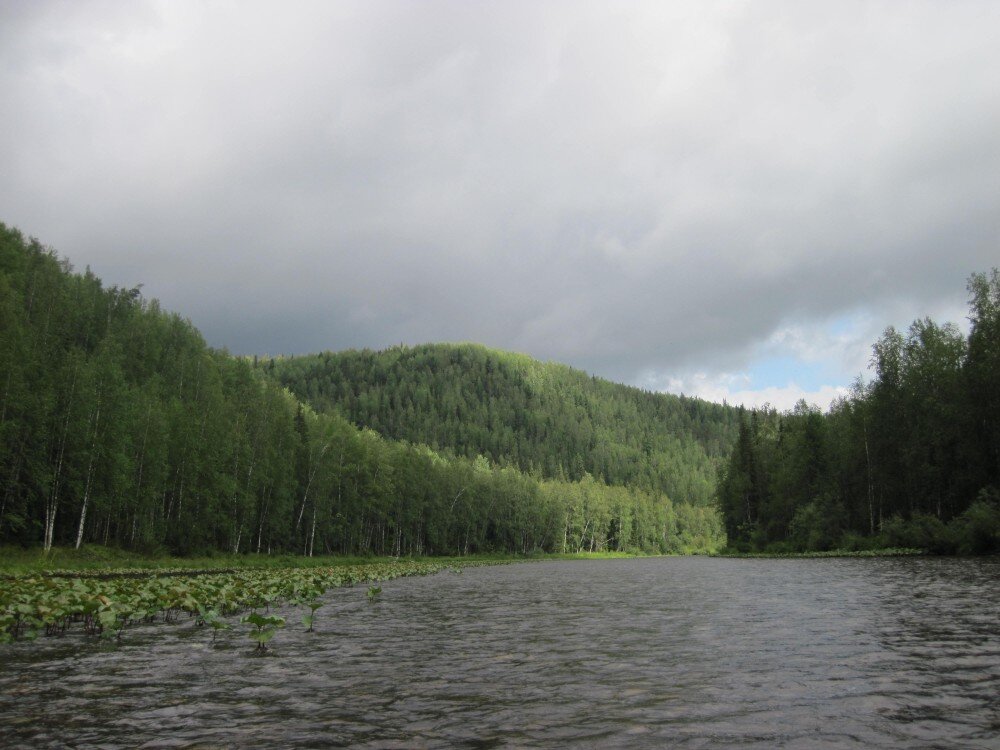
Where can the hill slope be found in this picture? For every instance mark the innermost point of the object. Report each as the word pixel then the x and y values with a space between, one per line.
pixel 543 418
pixel 119 426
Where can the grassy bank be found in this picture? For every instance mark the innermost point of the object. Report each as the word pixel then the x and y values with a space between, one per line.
pixel 883 552
pixel 94 558
pixel 97 559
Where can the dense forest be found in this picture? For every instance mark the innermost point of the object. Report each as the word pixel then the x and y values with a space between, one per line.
pixel 542 418
pixel 119 426
pixel 911 458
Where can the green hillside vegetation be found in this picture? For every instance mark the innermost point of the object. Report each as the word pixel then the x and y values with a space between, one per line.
pixel 911 459
pixel 120 427
pixel 545 419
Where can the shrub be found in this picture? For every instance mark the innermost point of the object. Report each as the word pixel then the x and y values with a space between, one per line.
pixel 815 525
pixel 852 542
pixel 977 530
pixel 783 547
pixel 922 531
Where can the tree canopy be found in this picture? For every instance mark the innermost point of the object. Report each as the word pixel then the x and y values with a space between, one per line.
pixel 118 425
pixel 910 458
pixel 545 419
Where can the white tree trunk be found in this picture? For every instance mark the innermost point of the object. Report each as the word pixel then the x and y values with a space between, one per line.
pixel 52 504
pixel 90 473
pixel 312 534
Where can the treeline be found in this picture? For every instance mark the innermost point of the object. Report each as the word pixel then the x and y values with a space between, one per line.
pixel 544 419
pixel 119 426
pixel 911 458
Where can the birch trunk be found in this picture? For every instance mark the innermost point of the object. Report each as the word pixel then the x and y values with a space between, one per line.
pixel 90 474
pixel 52 504
pixel 142 461
pixel 312 475
pixel 312 534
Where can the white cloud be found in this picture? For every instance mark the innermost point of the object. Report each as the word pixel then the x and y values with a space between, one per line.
pixel 737 389
pixel 624 187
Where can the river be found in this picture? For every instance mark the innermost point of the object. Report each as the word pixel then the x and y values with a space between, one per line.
pixel 647 653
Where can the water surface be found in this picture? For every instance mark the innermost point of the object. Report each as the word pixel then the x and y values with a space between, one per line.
pixel 668 652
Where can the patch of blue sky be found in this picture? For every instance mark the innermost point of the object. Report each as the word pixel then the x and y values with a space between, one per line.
pixel 780 371
pixel 831 352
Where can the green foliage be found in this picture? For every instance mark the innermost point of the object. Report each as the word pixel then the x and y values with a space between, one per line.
pixel 901 461
pixel 106 604
pixel 977 530
pixel 922 531
pixel 309 619
pixel 120 427
pixel 210 616
pixel 542 418
pixel 781 549
pixel 816 526
pixel 264 628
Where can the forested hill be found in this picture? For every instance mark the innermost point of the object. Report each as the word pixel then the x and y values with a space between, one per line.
pixel 119 426
pixel 543 418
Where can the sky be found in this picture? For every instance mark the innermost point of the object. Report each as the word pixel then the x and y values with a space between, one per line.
pixel 729 200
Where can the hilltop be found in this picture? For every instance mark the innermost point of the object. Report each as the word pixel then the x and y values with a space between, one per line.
pixel 119 426
pixel 545 419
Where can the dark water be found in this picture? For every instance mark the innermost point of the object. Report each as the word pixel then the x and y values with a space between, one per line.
pixel 676 652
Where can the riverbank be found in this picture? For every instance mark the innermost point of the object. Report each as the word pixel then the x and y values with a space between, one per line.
pixel 883 552
pixel 96 559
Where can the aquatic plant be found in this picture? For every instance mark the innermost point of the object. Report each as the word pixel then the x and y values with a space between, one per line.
pixel 264 628
pixel 212 618
pixel 310 619
pixel 108 603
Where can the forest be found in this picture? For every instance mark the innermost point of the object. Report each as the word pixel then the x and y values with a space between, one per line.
pixel 120 426
pixel 910 458
pixel 545 419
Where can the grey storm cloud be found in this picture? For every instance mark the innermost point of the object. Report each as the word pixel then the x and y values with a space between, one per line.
pixel 621 186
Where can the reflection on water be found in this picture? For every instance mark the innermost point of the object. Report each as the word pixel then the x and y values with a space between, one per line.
pixel 678 652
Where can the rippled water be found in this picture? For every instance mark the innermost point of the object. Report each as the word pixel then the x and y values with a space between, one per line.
pixel 674 652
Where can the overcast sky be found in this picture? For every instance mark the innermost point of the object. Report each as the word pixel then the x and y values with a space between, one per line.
pixel 729 199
